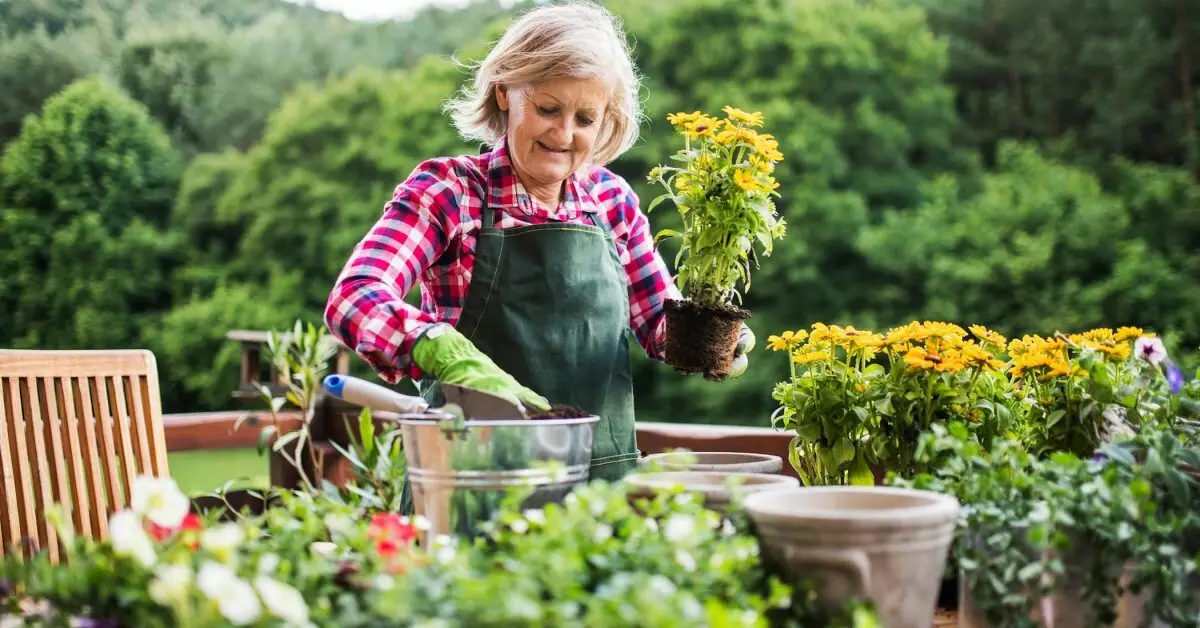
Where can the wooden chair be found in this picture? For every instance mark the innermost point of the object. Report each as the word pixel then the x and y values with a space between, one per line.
pixel 76 427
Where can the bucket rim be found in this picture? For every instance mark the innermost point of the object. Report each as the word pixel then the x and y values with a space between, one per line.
pixel 436 418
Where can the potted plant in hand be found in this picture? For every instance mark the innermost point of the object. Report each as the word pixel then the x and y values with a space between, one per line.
pixel 723 189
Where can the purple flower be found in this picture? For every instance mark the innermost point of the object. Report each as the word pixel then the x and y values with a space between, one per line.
pixel 1150 349
pixel 1174 376
pixel 88 622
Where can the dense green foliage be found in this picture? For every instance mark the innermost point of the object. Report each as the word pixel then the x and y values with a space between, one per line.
pixel 1024 165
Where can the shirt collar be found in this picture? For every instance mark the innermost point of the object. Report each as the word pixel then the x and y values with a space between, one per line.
pixel 506 192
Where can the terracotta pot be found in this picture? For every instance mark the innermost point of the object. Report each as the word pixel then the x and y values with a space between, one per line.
pixel 712 486
pixel 713 461
pixel 884 543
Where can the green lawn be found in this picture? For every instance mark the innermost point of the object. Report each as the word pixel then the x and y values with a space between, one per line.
pixel 204 470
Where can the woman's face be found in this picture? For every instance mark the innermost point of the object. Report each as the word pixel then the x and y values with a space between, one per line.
pixel 552 127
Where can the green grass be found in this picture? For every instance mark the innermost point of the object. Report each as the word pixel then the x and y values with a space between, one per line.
pixel 202 471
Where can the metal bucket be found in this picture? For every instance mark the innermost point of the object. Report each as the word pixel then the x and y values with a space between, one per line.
pixel 461 470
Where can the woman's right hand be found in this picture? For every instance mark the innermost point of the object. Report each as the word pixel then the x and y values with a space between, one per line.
pixel 446 354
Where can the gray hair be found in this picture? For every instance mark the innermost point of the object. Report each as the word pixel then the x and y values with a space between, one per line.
pixel 569 40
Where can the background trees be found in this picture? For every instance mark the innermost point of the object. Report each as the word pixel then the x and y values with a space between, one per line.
pixel 192 168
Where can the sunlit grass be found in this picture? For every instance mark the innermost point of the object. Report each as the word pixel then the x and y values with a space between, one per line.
pixel 204 470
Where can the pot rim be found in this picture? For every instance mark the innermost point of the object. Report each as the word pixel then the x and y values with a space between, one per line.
pixel 774 505
pixel 670 479
pixel 666 455
pixel 436 419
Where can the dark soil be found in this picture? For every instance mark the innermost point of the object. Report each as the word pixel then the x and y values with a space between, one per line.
pixel 701 339
pixel 561 411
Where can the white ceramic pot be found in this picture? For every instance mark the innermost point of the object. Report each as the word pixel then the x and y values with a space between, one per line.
pixel 884 543
pixel 716 461
pixel 714 487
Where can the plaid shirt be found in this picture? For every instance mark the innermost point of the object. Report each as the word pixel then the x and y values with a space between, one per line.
pixel 428 231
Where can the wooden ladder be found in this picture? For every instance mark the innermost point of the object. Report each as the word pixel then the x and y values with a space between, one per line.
pixel 76 428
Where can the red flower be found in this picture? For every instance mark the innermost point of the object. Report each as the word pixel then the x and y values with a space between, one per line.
pixel 190 522
pixel 390 531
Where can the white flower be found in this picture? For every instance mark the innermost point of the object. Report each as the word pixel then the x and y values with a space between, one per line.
pixel 222 538
pixel 652 524
pixel 129 538
pixel 1150 349
pixel 324 548
pixel 685 561
pixel 444 554
pixel 282 600
pixel 170 584
pixel 235 598
pixel 727 529
pixel 679 527
pixel 159 500
pixel 520 526
pixel 384 582
pixel 603 533
pixel 692 609
pixel 268 563
pixel 442 539
pixel 535 516
pixel 662 586
pixel 421 523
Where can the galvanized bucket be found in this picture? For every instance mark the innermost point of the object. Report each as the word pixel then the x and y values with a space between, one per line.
pixel 461 470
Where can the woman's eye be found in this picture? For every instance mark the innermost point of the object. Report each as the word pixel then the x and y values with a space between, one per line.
pixel 547 111
pixel 585 121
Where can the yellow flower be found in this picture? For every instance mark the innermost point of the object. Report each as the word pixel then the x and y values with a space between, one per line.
pixel 768 147
pixel 751 119
pixel 809 357
pixel 745 180
pixel 731 136
pixel 1128 333
pixel 683 183
pixel 918 358
pixel 702 126
pixel 972 354
pixel 681 118
pixel 988 336
pixel 786 340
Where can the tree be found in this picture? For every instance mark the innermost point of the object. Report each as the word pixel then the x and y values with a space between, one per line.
pixel 33 67
pixel 87 189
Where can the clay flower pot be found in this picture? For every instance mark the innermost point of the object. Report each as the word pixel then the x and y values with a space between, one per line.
pixel 713 461
pixel 884 543
pixel 702 339
pixel 714 487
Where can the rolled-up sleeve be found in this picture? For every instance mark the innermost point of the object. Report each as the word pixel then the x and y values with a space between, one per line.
pixel 366 308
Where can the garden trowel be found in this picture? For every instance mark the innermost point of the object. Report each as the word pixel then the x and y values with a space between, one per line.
pixel 477 404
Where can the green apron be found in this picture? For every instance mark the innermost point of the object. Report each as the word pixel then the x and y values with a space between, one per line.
pixel 549 304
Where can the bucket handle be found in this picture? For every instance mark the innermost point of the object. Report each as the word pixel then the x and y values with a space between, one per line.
pixel 851 562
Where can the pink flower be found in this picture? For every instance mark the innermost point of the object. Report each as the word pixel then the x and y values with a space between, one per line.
pixel 1150 349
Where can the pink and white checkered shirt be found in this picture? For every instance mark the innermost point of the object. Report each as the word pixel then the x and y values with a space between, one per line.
pixel 427 234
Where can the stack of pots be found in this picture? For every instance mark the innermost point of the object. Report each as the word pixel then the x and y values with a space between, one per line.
pixel 887 545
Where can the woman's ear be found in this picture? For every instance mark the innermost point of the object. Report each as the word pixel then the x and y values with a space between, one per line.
pixel 502 97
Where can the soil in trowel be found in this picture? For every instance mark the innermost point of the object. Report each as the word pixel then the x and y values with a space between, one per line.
pixel 701 338
pixel 561 411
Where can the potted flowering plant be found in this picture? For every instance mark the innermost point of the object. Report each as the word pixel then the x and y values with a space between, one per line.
pixel 723 189
pixel 859 400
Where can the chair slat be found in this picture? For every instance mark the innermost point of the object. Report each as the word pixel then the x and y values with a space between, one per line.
pixel 153 404
pixel 115 497
pixel 27 527
pixel 120 414
pixel 72 428
pixel 138 424
pixel 10 499
pixel 56 458
pixel 93 456
pixel 36 431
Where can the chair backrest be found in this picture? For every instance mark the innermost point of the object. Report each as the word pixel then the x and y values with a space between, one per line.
pixel 77 428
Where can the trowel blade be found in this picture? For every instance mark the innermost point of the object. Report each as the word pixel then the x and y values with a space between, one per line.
pixel 479 404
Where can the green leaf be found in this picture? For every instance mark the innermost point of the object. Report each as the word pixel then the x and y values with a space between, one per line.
pixel 843 451
pixel 860 473
pixel 264 437
pixel 1055 417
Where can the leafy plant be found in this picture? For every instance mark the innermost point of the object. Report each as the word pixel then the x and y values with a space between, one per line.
pixel 857 399
pixel 723 192
pixel 380 467
pixel 301 359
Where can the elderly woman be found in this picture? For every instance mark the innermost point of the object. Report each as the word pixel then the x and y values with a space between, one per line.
pixel 534 260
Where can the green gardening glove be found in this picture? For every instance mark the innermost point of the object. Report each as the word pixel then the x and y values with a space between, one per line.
pixel 450 357
pixel 745 345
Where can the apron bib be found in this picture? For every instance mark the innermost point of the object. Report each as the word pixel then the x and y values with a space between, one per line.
pixel 549 304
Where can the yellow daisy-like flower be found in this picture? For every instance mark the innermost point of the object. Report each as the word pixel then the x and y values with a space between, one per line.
pixel 750 119
pixel 1127 333
pixel 988 336
pixel 703 126
pixel 731 136
pixel 786 340
pixel 972 354
pixel 682 118
pixel 919 358
pixel 745 180
pixel 808 357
